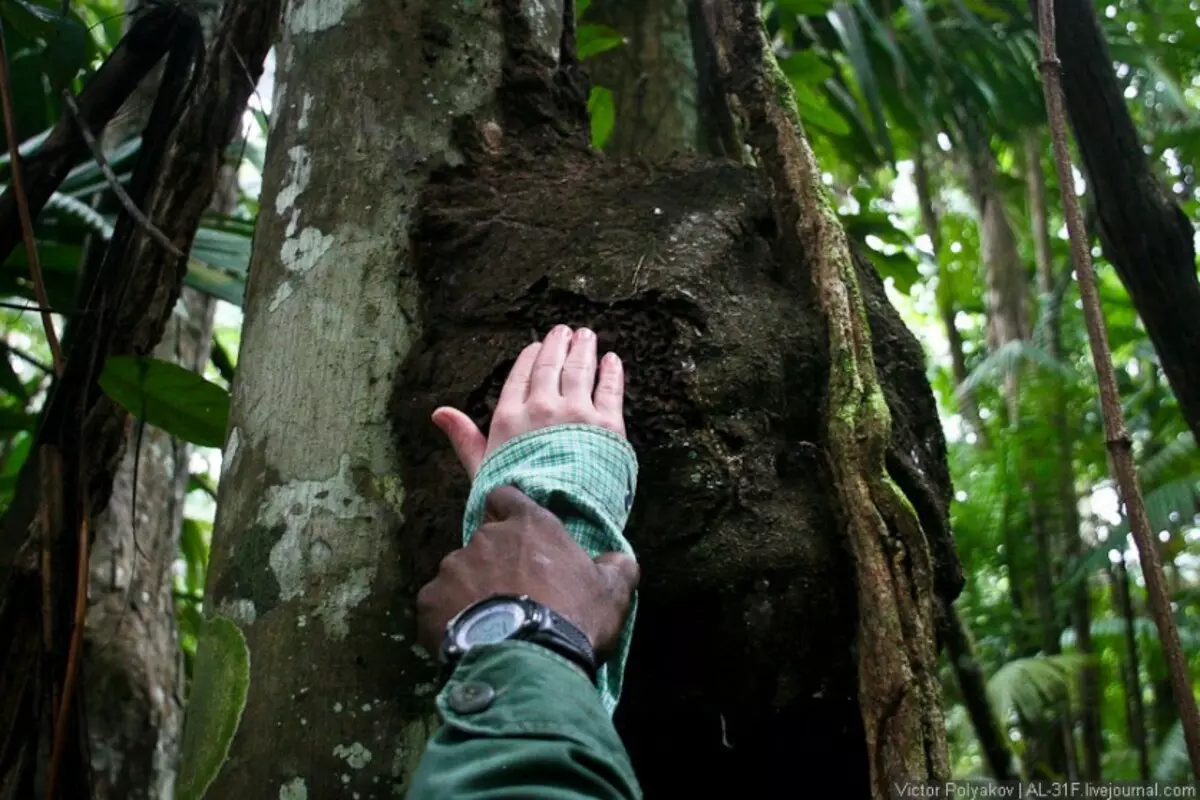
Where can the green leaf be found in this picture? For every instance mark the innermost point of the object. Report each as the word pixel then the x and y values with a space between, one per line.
pixel 807 8
pixel 806 67
pixel 169 397
pixel 900 267
pixel 592 40
pixel 30 20
pixel 14 420
pixel 9 380
pixel 1033 687
pixel 194 547
pixel 219 687
pixel 199 482
pixel 816 111
pixel 66 52
pixel 603 114
pixel 81 211
pixel 916 8
pixel 844 21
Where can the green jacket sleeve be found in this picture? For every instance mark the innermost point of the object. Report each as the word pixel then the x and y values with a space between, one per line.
pixel 522 723
pixel 587 476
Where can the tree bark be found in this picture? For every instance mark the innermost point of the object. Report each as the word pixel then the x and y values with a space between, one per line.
pixel 411 241
pixel 1067 517
pixel 653 77
pixel 1007 303
pixel 946 311
pixel 1142 230
pixel 68 480
pixel 971 682
pixel 132 681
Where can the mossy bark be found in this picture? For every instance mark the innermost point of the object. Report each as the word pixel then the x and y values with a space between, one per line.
pixel 898 693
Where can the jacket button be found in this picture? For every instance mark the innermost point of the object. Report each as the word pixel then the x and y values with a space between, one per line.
pixel 470 697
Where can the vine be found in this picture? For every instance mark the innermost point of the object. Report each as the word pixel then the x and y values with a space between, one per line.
pixel 898 691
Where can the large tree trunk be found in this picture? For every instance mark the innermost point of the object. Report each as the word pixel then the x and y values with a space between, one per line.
pixel 401 270
pixel 1142 230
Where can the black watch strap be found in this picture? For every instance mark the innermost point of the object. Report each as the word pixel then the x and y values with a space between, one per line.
pixel 566 639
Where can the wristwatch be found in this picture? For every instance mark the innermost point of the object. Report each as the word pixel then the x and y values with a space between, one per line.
pixel 504 617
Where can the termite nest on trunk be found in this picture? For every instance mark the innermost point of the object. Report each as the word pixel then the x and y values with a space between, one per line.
pixel 744 643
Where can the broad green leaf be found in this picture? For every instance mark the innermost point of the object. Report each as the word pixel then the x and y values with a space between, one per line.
pixel 844 21
pixel 28 19
pixel 816 111
pixel 901 268
pixel 807 8
pixel 66 52
pixel 806 67
pixel 603 114
pixel 220 259
pixel 169 397
pixel 87 177
pixel 592 40
pixel 219 687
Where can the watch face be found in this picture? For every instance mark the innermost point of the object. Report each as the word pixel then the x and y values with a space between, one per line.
pixel 491 624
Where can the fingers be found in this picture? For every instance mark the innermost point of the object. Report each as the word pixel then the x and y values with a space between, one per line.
pixel 621 571
pixel 516 388
pixel 610 389
pixel 547 368
pixel 579 370
pixel 507 502
pixel 466 438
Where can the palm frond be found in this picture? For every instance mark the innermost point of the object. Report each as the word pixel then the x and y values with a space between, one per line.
pixel 1009 359
pixel 1172 763
pixel 1033 687
pixel 81 211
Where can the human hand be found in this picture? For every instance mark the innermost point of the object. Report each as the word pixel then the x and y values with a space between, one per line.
pixel 523 549
pixel 553 382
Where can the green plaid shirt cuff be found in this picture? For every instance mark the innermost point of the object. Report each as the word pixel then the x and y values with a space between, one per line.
pixel 587 476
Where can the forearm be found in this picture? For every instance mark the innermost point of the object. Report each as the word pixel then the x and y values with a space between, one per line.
pixel 521 722
pixel 587 476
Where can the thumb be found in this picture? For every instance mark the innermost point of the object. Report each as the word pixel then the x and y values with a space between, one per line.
pixel 466 438
pixel 621 571
pixel 507 502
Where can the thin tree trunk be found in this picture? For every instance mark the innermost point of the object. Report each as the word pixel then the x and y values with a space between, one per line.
pixel 1067 517
pixel 973 685
pixel 946 311
pixel 1008 322
pixel 132 681
pixel 1142 230
pixel 1118 441
pixel 1135 712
